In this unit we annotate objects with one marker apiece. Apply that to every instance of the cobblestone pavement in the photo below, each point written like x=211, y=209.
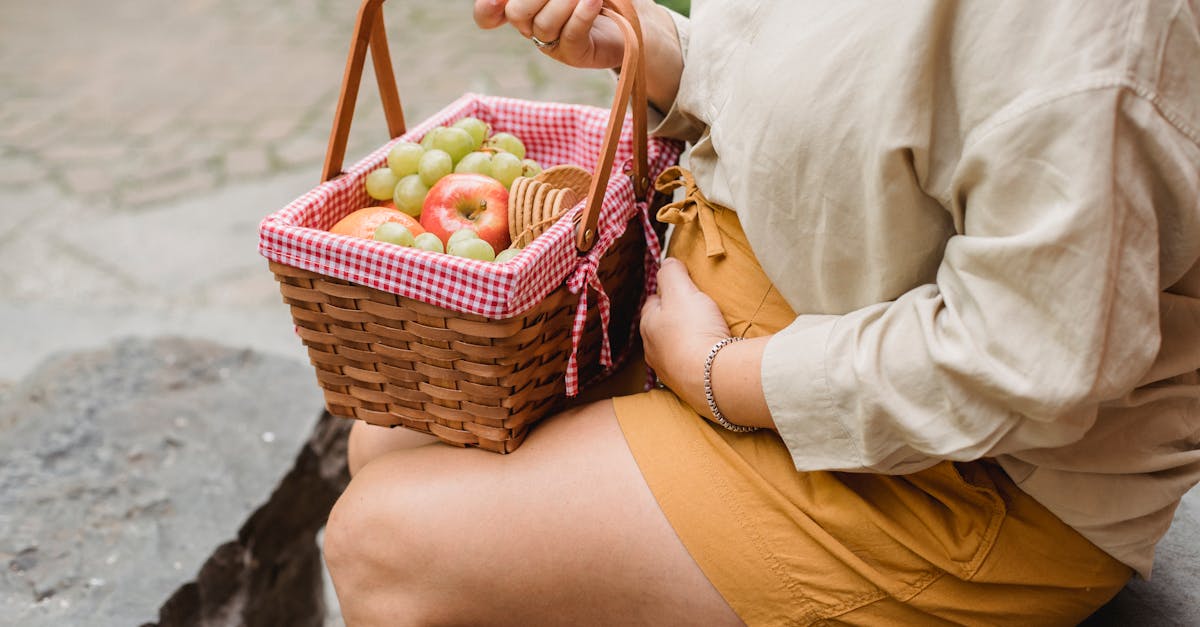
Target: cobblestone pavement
x=141, y=142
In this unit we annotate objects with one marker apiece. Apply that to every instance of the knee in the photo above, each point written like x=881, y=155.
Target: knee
x=371, y=521
x=348, y=536
x=370, y=555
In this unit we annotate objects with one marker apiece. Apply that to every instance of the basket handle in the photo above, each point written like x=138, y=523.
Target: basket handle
x=369, y=31
x=631, y=90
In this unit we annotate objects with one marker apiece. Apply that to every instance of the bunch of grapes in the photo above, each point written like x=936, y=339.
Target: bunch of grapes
x=467, y=145
x=463, y=243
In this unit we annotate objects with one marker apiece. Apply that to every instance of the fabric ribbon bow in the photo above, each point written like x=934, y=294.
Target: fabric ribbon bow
x=691, y=207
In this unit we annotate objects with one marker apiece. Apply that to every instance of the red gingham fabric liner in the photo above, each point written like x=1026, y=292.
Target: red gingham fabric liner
x=553, y=133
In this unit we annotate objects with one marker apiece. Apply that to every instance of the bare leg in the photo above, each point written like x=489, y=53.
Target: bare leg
x=368, y=441
x=562, y=531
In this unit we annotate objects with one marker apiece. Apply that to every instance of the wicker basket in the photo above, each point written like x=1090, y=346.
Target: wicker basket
x=472, y=380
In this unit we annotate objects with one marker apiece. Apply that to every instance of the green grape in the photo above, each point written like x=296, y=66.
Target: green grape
x=477, y=162
x=530, y=168
x=506, y=167
x=434, y=165
x=410, y=195
x=460, y=236
x=455, y=141
x=472, y=248
x=427, y=140
x=394, y=233
x=429, y=241
x=508, y=143
x=477, y=128
x=507, y=254
x=381, y=183
x=403, y=158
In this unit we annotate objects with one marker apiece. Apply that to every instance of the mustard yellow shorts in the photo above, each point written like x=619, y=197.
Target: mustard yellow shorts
x=958, y=543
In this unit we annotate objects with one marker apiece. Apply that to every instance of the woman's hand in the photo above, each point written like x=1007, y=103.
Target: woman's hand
x=680, y=324
x=584, y=38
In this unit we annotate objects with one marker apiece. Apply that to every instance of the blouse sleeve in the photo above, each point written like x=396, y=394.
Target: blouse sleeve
x=1045, y=304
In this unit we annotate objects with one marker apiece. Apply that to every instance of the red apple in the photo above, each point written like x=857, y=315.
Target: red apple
x=467, y=200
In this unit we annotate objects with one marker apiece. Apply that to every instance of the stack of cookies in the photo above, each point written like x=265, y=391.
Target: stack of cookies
x=535, y=204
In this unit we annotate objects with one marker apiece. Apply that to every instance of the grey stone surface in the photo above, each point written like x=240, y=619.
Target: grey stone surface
x=273, y=573
x=123, y=469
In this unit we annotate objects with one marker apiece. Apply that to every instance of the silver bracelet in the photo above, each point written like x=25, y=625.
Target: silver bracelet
x=708, y=391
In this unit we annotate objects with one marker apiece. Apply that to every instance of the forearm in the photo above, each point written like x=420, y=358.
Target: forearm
x=664, y=55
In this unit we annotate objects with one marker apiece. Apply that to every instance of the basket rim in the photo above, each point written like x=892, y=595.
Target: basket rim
x=469, y=286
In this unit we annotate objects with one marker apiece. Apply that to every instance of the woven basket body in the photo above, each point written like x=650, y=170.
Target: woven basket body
x=467, y=379
x=474, y=352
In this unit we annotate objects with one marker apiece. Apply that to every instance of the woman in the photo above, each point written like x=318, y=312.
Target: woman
x=959, y=242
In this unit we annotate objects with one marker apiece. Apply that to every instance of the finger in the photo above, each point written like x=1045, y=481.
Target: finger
x=648, y=326
x=650, y=313
x=489, y=13
x=520, y=14
x=549, y=22
x=673, y=278
x=576, y=34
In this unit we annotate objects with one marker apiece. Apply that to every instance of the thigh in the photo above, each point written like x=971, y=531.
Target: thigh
x=563, y=530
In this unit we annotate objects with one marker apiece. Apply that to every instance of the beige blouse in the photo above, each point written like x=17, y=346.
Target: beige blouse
x=988, y=216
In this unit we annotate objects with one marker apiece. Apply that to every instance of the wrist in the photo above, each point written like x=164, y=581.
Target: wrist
x=710, y=397
x=736, y=381
x=682, y=370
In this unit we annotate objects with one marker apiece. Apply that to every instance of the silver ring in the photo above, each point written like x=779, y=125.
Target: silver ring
x=542, y=45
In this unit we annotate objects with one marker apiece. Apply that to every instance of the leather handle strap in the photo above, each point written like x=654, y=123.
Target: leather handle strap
x=369, y=32
x=630, y=83
x=641, y=106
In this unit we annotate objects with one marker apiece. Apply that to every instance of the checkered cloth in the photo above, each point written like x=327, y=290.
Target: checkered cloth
x=554, y=134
